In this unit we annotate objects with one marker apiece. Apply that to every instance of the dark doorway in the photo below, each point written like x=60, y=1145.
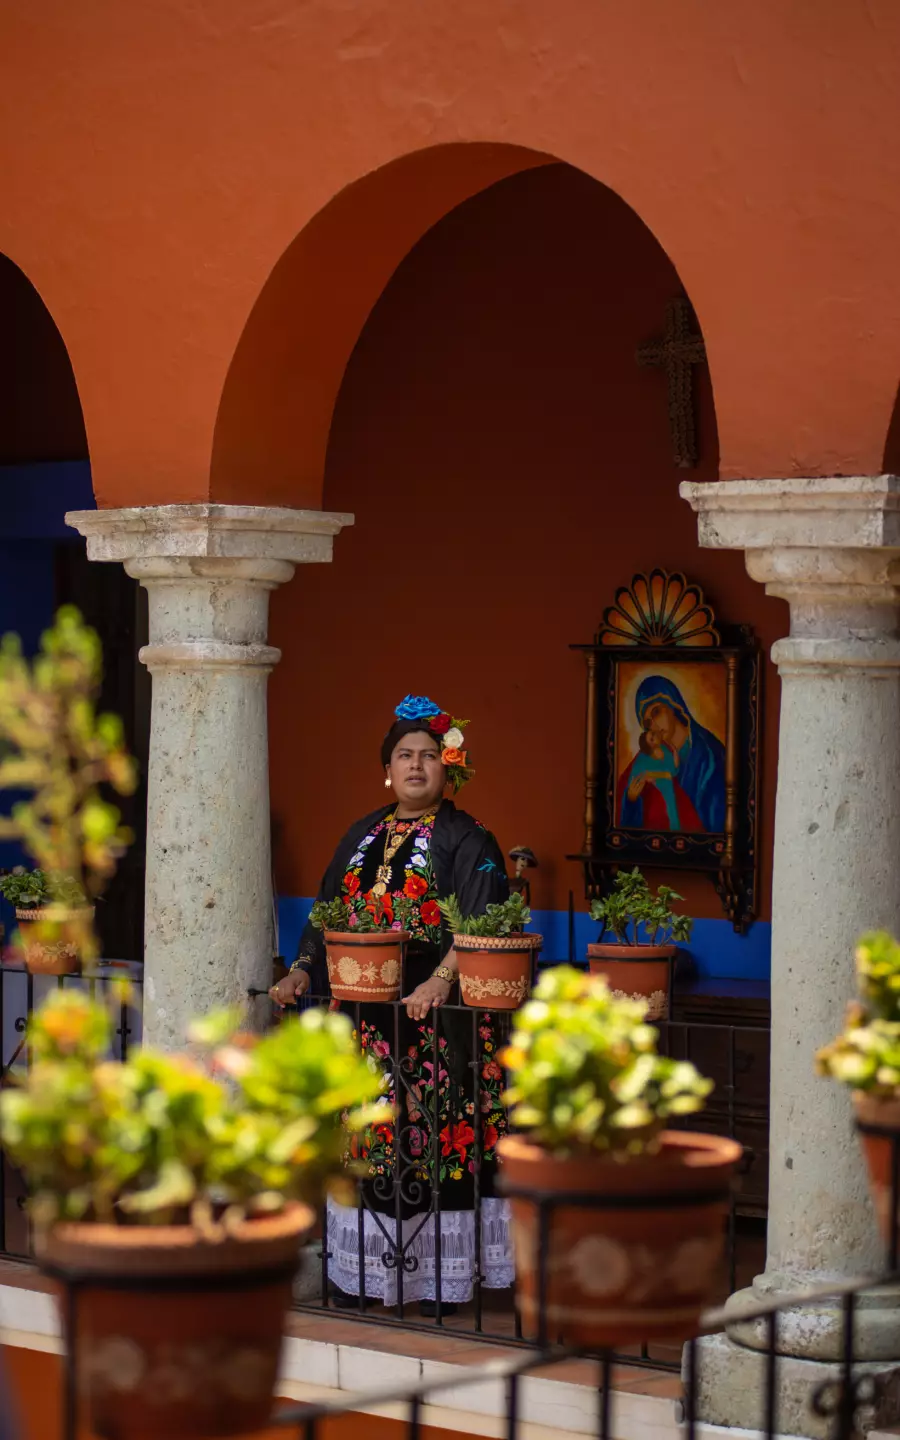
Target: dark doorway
x=116, y=606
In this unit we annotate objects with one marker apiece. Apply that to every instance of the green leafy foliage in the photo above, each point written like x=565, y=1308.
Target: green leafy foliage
x=58, y=749
x=867, y=1055
x=509, y=917
x=240, y=1126
x=361, y=916
x=632, y=907
x=27, y=889
x=585, y=1074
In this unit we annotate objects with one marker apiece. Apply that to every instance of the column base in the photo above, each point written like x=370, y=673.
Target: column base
x=731, y=1391
x=816, y=1332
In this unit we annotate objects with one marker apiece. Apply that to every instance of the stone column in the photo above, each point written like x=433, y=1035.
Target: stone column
x=208, y=571
x=831, y=548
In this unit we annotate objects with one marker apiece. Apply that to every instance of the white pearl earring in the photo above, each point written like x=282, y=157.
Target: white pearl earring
x=387, y=782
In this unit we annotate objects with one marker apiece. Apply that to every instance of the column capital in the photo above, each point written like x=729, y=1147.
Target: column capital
x=830, y=546
x=207, y=532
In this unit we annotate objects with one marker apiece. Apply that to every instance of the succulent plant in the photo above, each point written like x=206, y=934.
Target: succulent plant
x=632, y=910
x=585, y=1074
x=508, y=917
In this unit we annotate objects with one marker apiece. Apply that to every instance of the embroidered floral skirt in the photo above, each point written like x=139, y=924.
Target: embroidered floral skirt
x=433, y=1169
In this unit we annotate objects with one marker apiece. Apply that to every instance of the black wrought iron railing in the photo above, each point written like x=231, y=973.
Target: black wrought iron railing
x=398, y=1247
x=404, y=1242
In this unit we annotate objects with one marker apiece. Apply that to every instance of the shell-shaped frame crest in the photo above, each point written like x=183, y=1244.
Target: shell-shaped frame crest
x=659, y=609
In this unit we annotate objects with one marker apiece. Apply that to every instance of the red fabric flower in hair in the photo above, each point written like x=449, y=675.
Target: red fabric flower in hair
x=440, y=724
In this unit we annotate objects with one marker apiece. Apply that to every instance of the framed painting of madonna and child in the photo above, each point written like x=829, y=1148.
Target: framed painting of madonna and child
x=671, y=755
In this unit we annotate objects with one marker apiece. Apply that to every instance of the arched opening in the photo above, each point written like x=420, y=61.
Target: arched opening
x=510, y=464
x=44, y=472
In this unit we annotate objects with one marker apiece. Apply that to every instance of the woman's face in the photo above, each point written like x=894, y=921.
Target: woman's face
x=416, y=772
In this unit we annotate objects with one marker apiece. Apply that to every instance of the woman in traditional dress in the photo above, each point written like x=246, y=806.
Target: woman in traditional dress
x=423, y=848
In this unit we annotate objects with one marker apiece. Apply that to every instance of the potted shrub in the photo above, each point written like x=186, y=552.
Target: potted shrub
x=50, y=908
x=632, y=1244
x=169, y=1196
x=643, y=930
x=54, y=745
x=866, y=1057
x=496, y=957
x=365, y=945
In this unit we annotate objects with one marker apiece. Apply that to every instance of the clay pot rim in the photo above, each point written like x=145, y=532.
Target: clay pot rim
x=156, y=1250
x=522, y=943
x=368, y=937
x=877, y=1110
x=630, y=953
x=684, y=1155
x=59, y=913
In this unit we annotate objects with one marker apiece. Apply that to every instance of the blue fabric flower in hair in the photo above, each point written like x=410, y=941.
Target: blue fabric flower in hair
x=416, y=707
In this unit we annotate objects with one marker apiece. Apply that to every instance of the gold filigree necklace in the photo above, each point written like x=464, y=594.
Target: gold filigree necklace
x=392, y=843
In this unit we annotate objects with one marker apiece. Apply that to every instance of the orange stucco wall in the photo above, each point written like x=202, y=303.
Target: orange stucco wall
x=509, y=466
x=159, y=158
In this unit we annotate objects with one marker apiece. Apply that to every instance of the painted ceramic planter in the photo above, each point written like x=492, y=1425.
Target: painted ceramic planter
x=187, y=1339
x=620, y=1273
x=52, y=957
x=367, y=968
x=878, y=1122
x=636, y=972
x=496, y=973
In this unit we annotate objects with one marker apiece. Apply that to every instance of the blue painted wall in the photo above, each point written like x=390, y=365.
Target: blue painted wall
x=717, y=952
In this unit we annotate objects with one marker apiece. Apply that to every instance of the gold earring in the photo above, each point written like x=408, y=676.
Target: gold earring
x=387, y=782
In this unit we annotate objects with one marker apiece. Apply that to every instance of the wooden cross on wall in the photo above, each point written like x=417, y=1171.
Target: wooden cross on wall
x=677, y=353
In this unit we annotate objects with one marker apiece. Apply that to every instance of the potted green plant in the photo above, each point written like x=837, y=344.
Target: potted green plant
x=169, y=1196
x=365, y=944
x=644, y=932
x=632, y=1243
x=866, y=1058
x=55, y=746
x=496, y=956
x=45, y=901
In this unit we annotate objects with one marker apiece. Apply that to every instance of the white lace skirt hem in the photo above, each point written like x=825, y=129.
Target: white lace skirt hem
x=457, y=1252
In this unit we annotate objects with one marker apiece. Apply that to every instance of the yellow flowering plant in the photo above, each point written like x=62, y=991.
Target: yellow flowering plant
x=585, y=1074
x=866, y=1056
x=238, y=1126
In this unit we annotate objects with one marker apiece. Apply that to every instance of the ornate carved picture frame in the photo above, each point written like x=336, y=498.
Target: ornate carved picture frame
x=672, y=742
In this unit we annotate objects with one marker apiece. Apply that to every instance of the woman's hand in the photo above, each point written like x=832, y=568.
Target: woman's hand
x=294, y=984
x=427, y=996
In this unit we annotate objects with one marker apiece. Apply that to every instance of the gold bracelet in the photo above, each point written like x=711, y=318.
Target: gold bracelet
x=443, y=972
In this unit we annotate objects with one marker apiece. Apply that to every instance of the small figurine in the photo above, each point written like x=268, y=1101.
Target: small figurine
x=525, y=859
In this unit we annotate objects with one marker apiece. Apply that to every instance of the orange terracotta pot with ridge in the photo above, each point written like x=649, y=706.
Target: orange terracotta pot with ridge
x=496, y=972
x=366, y=967
x=641, y=1264
x=636, y=972
x=878, y=1123
x=174, y=1334
x=59, y=956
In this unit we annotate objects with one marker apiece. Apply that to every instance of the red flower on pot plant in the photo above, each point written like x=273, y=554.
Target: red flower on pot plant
x=590, y=1096
x=638, y=937
x=363, y=952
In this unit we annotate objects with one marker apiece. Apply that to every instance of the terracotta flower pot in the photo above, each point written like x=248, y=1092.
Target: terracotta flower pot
x=621, y=1273
x=878, y=1122
x=365, y=967
x=496, y=973
x=52, y=957
x=636, y=972
x=175, y=1335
